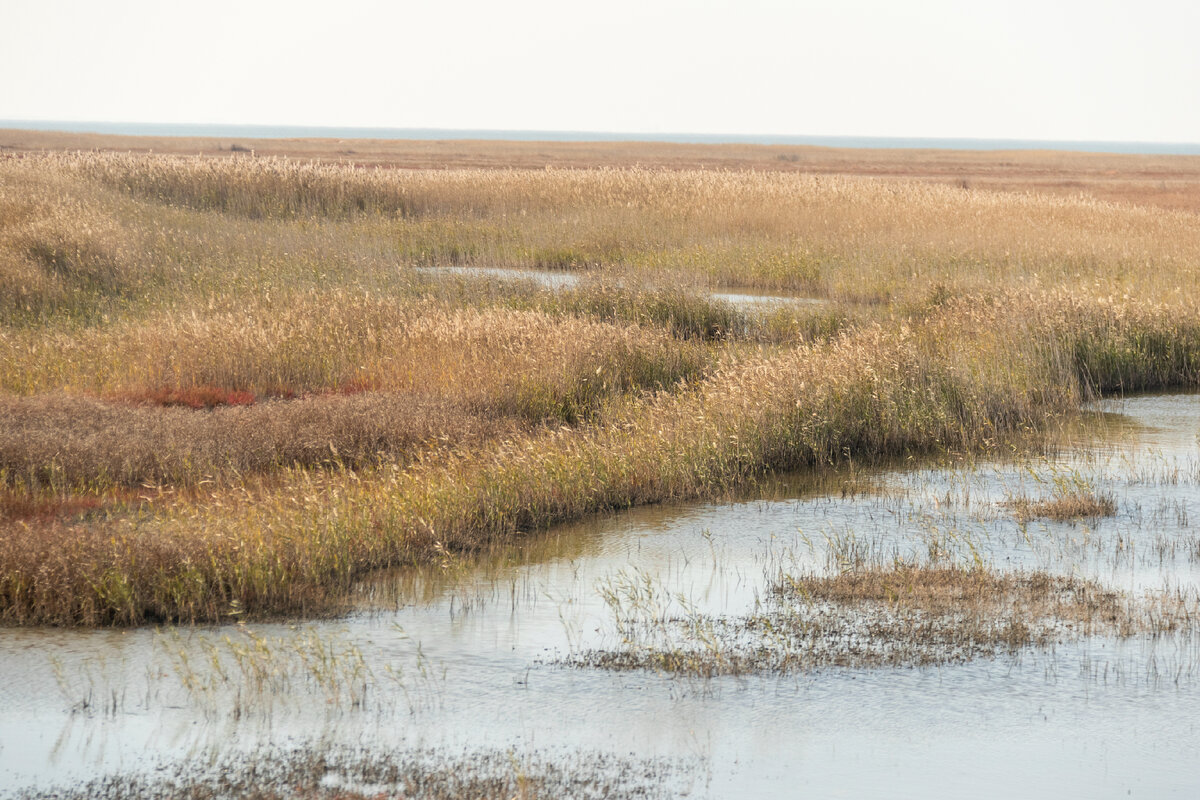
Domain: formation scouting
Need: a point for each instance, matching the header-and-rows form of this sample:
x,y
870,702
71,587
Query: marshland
x,y
764,470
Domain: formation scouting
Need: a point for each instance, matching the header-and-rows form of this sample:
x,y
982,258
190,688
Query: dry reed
x,y
901,615
1063,508
399,418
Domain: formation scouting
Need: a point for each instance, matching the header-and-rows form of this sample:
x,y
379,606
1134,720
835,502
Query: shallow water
x,y
551,279
558,279
465,656
750,301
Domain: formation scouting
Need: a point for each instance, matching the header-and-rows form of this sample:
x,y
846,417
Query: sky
x,y
1018,69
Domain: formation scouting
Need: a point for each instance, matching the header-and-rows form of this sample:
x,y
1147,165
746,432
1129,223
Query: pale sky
x,y
1023,69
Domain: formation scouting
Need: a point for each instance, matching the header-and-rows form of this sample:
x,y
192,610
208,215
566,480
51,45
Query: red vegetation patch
x,y
18,506
356,386
197,397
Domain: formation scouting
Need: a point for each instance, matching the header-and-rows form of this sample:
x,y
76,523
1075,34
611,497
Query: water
x,y
550,279
467,657
558,279
341,132
750,301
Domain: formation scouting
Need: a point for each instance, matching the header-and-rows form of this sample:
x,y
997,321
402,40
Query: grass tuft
x,y
1063,508
902,615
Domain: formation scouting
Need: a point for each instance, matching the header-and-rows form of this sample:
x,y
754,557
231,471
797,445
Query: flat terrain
x,y
246,380
889,455
1170,182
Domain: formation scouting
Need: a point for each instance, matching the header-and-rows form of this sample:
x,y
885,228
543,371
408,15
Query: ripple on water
x,y
466,658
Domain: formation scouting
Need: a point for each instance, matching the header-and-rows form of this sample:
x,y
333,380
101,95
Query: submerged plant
x,y
901,615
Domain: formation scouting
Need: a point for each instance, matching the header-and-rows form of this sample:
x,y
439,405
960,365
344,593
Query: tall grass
x,y
244,348
337,380
61,250
293,549
859,238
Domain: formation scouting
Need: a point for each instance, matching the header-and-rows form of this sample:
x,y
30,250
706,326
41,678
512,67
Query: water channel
x,y
470,656
744,299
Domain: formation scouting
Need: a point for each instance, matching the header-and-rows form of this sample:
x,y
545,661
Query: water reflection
x,y
747,300
751,301
465,655
550,279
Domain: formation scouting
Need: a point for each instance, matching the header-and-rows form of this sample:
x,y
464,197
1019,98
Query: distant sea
x,y
306,132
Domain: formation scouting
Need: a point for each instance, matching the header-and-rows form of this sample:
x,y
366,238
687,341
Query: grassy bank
x,y
226,390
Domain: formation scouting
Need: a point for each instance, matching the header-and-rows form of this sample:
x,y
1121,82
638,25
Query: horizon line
x,y
112,127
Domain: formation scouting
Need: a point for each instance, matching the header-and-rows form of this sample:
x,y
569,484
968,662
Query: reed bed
x,y
315,380
295,549
57,443
856,238
62,249
329,341
266,345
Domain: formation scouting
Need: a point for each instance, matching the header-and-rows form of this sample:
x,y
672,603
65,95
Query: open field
x,y
233,385
1167,182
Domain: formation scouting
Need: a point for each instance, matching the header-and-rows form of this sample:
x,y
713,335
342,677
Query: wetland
x,y
645,631
322,480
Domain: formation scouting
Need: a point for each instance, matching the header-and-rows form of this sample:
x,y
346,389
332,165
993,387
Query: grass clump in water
x,y
903,615
1072,497
1063,508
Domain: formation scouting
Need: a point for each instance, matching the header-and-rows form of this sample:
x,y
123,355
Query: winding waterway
x,y
468,656
745,299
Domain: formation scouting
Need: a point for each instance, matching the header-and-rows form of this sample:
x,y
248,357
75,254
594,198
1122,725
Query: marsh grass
x,y
870,394
68,444
381,383
63,249
902,615
842,237
1071,497
397,419
243,672
1063,508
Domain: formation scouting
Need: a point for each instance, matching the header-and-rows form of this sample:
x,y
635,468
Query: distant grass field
x,y
227,388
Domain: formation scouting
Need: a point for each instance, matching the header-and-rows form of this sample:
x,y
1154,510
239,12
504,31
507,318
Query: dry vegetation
x,y
1065,507
1167,182
224,385
895,616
